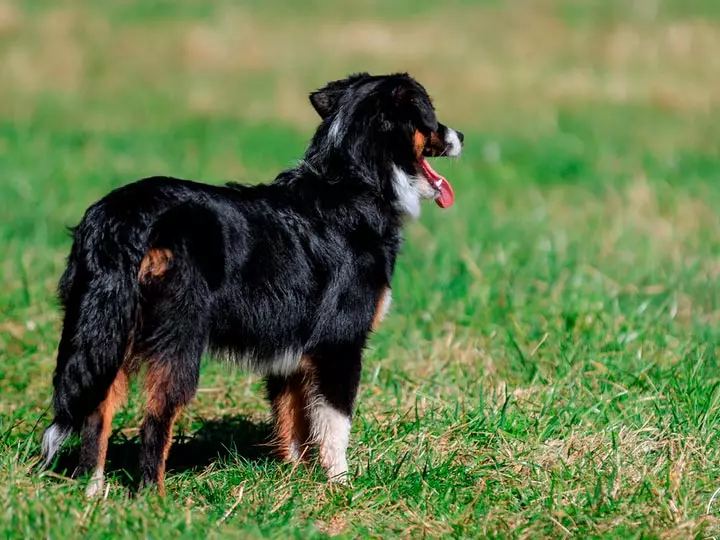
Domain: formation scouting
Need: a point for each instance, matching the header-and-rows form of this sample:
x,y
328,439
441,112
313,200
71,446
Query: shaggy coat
x,y
287,278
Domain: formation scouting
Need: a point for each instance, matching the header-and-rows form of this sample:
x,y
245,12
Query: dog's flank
x,y
287,278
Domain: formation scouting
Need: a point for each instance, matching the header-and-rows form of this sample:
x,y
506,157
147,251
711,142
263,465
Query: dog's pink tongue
x,y
447,197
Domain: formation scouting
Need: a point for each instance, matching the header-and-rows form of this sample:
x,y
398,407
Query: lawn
x,y
550,364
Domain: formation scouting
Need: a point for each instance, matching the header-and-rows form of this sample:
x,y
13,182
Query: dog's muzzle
x,y
444,142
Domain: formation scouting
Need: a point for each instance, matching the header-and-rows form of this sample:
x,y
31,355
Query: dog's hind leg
x,y
177,277
172,339
288,397
336,375
96,432
169,385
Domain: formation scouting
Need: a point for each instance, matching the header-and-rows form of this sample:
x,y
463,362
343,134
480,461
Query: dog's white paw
x,y
338,473
96,484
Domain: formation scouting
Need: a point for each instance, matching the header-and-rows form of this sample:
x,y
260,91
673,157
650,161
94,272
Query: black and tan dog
x,y
287,278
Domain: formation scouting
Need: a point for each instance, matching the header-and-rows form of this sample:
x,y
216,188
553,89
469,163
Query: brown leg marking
x,y
382,307
158,384
115,399
292,428
96,433
156,431
154,264
165,452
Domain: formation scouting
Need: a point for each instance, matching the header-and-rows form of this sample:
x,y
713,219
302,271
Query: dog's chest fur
x,y
286,362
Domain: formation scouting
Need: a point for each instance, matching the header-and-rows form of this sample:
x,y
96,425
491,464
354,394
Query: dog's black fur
x,y
285,276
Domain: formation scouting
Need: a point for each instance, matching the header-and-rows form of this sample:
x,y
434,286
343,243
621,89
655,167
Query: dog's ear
x,y
326,99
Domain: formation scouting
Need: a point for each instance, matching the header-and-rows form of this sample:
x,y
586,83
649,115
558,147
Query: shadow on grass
x,y
215,440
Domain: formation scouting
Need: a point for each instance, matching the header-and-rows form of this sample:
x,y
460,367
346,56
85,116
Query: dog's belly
x,y
281,364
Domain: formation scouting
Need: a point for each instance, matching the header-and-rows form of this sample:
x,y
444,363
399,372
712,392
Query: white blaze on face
x,y
454,146
330,430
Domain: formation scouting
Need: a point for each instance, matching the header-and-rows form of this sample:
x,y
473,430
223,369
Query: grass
x,y
550,365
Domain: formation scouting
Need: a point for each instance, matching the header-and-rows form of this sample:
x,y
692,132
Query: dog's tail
x,y
99,292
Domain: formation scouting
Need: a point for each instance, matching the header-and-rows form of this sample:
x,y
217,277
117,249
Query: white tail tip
x,y
52,440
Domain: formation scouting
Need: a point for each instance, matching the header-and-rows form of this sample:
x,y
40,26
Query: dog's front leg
x,y
336,373
331,432
288,397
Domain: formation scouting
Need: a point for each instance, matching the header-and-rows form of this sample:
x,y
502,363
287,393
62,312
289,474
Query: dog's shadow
x,y
235,436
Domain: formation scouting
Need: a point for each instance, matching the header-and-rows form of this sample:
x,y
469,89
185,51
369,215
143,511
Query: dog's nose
x,y
460,136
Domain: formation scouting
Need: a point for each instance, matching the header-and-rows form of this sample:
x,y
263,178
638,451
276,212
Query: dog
x,y
288,279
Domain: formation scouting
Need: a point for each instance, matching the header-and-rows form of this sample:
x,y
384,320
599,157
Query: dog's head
x,y
389,121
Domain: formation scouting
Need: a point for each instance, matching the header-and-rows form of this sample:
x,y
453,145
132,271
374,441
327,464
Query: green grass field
x,y
550,364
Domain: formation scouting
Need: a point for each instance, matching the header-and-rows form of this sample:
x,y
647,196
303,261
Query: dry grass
x,y
475,59
549,367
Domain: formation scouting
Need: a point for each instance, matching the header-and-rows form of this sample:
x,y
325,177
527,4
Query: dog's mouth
x,y
446,142
445,197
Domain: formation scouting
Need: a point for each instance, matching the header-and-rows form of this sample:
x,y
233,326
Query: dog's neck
x,y
360,164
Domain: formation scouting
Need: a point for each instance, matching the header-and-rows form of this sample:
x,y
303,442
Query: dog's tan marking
x,y
382,307
436,144
158,383
154,264
115,398
292,427
419,143
103,415
166,451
